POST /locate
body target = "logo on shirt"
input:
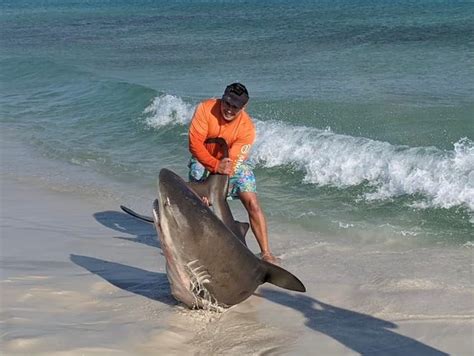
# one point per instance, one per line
(243, 152)
(245, 149)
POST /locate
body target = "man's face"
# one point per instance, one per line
(229, 111)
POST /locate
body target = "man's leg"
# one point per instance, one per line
(197, 172)
(258, 223)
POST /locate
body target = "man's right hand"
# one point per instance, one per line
(225, 166)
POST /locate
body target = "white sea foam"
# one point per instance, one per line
(343, 225)
(166, 110)
(444, 178)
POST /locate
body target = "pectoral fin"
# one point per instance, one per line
(136, 215)
(243, 228)
(282, 278)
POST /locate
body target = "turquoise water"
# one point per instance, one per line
(364, 109)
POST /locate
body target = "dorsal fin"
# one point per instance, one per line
(282, 278)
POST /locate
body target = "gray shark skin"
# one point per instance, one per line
(206, 262)
(215, 189)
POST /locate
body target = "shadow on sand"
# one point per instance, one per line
(152, 285)
(148, 284)
(142, 231)
(359, 332)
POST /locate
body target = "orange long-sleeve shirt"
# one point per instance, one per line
(208, 122)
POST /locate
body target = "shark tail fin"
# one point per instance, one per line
(282, 278)
(201, 189)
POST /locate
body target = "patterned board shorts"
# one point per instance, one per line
(242, 181)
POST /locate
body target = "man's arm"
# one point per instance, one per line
(198, 131)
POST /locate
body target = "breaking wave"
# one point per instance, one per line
(444, 178)
(167, 109)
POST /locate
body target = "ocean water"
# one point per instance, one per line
(364, 109)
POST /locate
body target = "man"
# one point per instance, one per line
(226, 118)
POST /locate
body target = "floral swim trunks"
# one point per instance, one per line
(242, 181)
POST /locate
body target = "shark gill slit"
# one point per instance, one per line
(199, 277)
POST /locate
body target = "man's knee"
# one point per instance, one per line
(251, 203)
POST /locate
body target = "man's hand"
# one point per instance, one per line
(205, 200)
(225, 166)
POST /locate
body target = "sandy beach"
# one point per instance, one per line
(363, 157)
(81, 277)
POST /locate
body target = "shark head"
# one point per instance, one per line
(181, 230)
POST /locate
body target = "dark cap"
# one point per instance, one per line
(236, 94)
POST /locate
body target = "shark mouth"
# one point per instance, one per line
(199, 277)
(187, 280)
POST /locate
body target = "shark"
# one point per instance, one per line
(208, 264)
